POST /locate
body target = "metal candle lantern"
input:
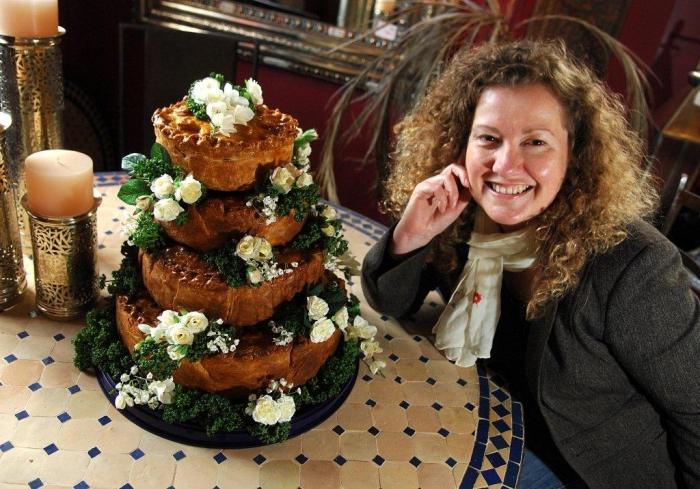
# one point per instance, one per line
(12, 277)
(65, 262)
(31, 91)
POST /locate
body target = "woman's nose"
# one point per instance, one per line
(508, 159)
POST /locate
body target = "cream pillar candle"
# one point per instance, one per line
(29, 18)
(59, 183)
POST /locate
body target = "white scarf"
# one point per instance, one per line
(466, 327)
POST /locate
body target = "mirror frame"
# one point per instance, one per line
(290, 42)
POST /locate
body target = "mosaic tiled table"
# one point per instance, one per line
(426, 423)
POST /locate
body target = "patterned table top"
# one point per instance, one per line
(426, 423)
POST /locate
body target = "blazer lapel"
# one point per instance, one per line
(540, 330)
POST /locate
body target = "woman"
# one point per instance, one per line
(520, 160)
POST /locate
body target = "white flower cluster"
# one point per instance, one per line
(168, 193)
(178, 331)
(134, 389)
(221, 342)
(260, 263)
(283, 337)
(226, 107)
(274, 407)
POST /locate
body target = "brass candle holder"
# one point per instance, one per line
(31, 91)
(12, 278)
(65, 262)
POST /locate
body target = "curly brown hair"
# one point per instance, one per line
(604, 190)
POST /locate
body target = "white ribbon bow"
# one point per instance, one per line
(466, 327)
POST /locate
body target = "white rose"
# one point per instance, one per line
(362, 329)
(266, 411)
(189, 190)
(328, 213)
(304, 180)
(254, 90)
(176, 352)
(167, 210)
(169, 317)
(369, 348)
(207, 90)
(282, 179)
(179, 334)
(340, 318)
(145, 203)
(264, 249)
(321, 330)
(375, 366)
(247, 248)
(242, 114)
(317, 307)
(216, 108)
(286, 407)
(163, 186)
(328, 230)
(254, 276)
(160, 332)
(195, 321)
(145, 328)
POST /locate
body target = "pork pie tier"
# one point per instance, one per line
(221, 217)
(178, 278)
(255, 362)
(221, 162)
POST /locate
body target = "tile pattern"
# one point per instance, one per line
(424, 423)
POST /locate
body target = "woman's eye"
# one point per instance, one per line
(487, 138)
(537, 142)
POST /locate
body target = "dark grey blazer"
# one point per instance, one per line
(614, 366)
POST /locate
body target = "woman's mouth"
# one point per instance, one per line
(509, 189)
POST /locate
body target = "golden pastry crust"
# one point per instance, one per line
(250, 368)
(218, 219)
(228, 163)
(177, 277)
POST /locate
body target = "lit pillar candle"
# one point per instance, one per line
(59, 183)
(29, 18)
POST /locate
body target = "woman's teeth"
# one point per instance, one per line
(509, 189)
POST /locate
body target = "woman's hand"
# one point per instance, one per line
(435, 203)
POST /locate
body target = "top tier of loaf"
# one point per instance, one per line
(228, 163)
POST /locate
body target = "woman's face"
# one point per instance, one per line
(517, 152)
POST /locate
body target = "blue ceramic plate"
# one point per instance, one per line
(191, 434)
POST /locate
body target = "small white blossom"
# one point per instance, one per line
(224, 123)
(254, 90)
(144, 202)
(254, 276)
(376, 365)
(361, 329)
(242, 114)
(167, 210)
(163, 186)
(316, 307)
(328, 230)
(321, 330)
(369, 348)
(207, 90)
(304, 180)
(176, 352)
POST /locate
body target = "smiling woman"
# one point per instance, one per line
(517, 187)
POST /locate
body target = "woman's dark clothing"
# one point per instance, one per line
(613, 366)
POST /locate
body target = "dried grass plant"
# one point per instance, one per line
(394, 81)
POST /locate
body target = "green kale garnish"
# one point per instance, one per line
(332, 376)
(301, 199)
(127, 279)
(225, 261)
(159, 164)
(152, 357)
(148, 234)
(97, 345)
(309, 237)
(216, 413)
(270, 434)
